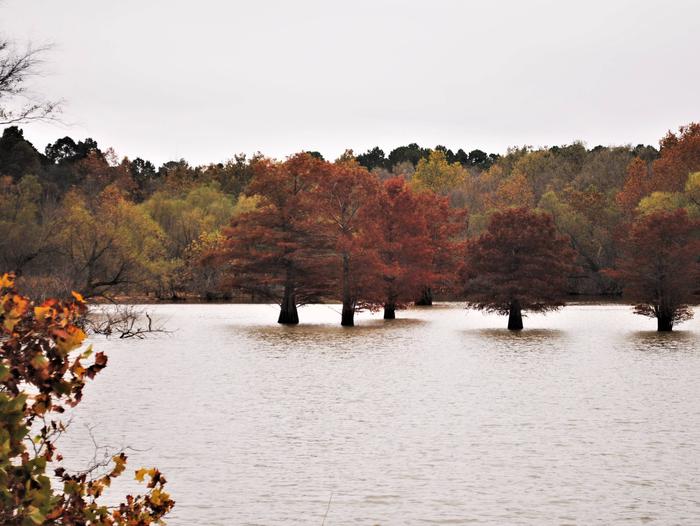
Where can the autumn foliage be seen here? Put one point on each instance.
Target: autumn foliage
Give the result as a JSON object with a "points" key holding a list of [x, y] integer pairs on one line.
{"points": [[42, 372], [370, 231], [679, 156], [637, 185], [348, 207], [323, 230], [519, 263], [660, 266], [272, 250], [406, 252]]}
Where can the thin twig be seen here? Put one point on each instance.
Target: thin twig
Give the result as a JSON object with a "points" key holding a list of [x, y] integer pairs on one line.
{"points": [[327, 509]]}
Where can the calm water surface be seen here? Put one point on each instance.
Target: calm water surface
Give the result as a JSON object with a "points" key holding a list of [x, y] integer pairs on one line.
{"points": [[441, 417]]}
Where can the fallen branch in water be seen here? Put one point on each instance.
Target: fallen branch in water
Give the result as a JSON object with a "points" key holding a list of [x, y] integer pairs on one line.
{"points": [[124, 321]]}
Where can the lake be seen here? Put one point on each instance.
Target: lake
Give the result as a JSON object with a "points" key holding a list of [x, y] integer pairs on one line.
{"points": [[439, 417]]}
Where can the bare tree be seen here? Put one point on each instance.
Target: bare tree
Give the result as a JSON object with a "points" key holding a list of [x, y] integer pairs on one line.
{"points": [[17, 103]]}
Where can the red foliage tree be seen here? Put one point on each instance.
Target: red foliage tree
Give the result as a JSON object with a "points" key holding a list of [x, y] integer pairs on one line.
{"points": [[660, 266], [678, 157], [636, 186], [348, 210], [447, 229], [519, 263], [273, 250], [406, 251]]}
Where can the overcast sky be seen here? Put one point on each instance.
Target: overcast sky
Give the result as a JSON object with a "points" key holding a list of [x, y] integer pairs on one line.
{"points": [[165, 79]]}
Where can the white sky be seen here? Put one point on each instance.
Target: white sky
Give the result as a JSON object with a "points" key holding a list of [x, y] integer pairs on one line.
{"points": [[204, 79]]}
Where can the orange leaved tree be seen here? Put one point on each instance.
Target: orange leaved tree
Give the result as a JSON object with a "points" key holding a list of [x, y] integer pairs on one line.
{"points": [[348, 210], [274, 250], [660, 266], [43, 372], [406, 248], [679, 156], [519, 263], [447, 227]]}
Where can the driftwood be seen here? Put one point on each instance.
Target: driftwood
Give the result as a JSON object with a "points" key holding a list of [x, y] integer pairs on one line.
{"points": [[123, 321]]}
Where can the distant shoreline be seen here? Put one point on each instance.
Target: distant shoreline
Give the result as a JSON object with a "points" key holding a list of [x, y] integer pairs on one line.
{"points": [[574, 299]]}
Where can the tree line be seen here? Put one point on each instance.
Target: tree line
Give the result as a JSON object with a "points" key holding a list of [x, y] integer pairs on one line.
{"points": [[370, 230]]}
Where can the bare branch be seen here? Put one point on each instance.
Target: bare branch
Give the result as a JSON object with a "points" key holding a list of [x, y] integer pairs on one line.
{"points": [[102, 456], [124, 321], [16, 103]]}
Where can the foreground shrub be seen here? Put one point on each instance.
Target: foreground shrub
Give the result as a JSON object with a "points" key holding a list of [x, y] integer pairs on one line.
{"points": [[42, 373]]}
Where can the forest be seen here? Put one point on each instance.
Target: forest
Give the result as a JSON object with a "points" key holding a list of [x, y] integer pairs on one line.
{"points": [[371, 230], [77, 217]]}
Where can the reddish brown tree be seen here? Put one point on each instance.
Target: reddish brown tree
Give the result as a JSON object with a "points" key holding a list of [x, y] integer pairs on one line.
{"points": [[273, 250], [348, 210], [679, 156], [406, 250], [447, 227], [519, 263], [637, 185], [660, 266]]}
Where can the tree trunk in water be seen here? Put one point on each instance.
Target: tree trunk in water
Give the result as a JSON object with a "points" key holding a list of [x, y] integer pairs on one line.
{"points": [[288, 308], [664, 322], [515, 317], [348, 317], [426, 298], [390, 311]]}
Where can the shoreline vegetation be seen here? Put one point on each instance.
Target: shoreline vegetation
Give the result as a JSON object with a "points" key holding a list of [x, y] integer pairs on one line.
{"points": [[507, 233], [524, 231], [573, 299]]}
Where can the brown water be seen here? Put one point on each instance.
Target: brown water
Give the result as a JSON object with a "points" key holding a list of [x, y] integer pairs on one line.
{"points": [[441, 417]]}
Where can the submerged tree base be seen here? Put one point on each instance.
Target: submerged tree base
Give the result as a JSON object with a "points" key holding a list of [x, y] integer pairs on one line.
{"points": [[515, 317], [664, 324], [426, 298], [389, 311], [348, 316], [288, 307], [288, 316]]}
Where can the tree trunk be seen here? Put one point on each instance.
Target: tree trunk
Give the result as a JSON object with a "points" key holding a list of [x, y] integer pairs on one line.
{"points": [[390, 311], [426, 298], [348, 317], [664, 321], [515, 316], [288, 308]]}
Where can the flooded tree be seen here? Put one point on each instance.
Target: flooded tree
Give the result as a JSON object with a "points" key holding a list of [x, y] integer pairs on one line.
{"points": [[406, 251], [447, 227], [349, 215], [273, 250], [519, 263], [660, 266]]}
